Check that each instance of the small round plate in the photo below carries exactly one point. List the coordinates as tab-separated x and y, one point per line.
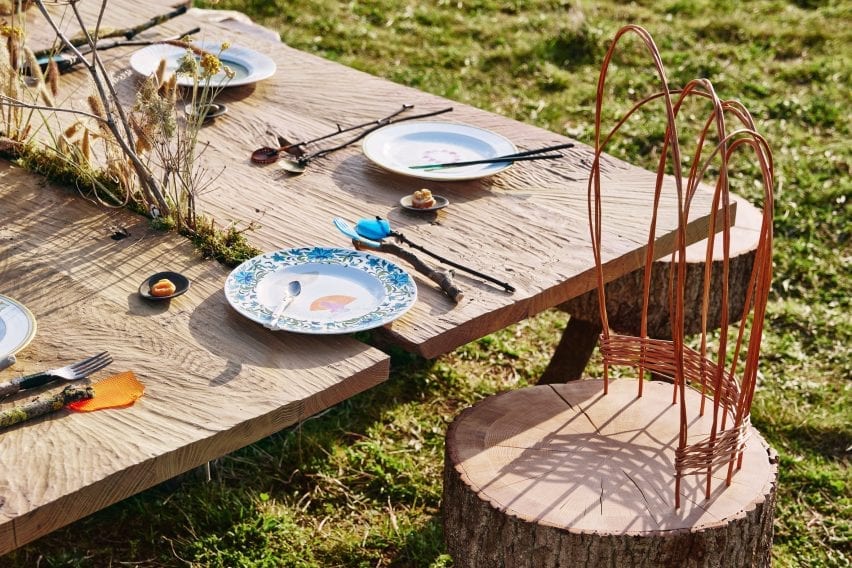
180	281
440	203
17	326
214	110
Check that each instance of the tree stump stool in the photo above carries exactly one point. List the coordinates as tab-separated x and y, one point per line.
561	475
624	298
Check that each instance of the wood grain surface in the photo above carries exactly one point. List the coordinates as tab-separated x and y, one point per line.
527	226
561	475
214	381
120	14
570	457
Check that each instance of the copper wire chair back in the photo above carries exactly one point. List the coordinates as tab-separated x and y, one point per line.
722	365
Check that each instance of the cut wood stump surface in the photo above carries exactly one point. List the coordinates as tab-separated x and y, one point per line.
561	475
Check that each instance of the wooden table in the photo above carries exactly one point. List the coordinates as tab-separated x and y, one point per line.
527	226
215	381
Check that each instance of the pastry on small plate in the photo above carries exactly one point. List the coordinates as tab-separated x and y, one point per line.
423	200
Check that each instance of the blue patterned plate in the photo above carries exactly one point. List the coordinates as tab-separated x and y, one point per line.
342	290
17	326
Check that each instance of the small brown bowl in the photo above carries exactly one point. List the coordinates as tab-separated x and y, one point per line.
180	281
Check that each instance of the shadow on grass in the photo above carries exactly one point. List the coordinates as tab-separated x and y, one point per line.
424	547
814	440
189	520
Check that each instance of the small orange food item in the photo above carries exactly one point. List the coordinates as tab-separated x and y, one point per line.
163	287
422	199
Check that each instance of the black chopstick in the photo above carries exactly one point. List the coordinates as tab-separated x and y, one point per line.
517	157
496	160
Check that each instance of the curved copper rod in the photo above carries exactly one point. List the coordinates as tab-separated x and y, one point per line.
732	399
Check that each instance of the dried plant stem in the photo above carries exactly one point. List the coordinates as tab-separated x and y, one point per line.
106	92
15	103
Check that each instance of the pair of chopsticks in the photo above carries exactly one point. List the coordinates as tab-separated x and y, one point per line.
517	157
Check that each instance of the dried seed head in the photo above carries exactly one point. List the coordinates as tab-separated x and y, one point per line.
161	72
12	46
188	64
143	139
86	146
142	145
12	86
52	76
34	67
71	130
45	95
10	31
62	145
172	89
210	64
97	106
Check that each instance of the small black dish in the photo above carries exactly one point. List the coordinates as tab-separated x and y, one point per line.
440	202
211	111
180	281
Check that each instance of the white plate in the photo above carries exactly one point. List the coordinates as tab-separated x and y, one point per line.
248	65
17	326
398	146
343	290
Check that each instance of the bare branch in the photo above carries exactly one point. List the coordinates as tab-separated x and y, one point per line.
9	101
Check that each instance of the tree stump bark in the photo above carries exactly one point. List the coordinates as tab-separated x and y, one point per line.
561	475
624	298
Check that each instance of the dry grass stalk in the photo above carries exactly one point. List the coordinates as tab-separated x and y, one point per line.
134	143
52	76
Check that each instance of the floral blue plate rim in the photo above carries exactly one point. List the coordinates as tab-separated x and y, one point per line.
382	290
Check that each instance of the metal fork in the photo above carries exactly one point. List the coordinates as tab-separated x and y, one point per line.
75	371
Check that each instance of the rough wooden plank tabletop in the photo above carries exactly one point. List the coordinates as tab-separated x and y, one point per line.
528	225
214	381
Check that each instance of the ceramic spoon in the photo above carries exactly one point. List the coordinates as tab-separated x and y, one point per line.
294	288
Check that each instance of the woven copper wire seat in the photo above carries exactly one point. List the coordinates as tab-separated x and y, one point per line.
624	306
631	472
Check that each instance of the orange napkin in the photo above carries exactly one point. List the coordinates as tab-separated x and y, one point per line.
116	391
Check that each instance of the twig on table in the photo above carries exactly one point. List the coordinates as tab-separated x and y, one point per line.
127	33
379	124
45	405
401	238
443	278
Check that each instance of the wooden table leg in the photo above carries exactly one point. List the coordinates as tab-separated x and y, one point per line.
573	352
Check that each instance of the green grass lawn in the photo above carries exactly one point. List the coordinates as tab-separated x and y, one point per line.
361	484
